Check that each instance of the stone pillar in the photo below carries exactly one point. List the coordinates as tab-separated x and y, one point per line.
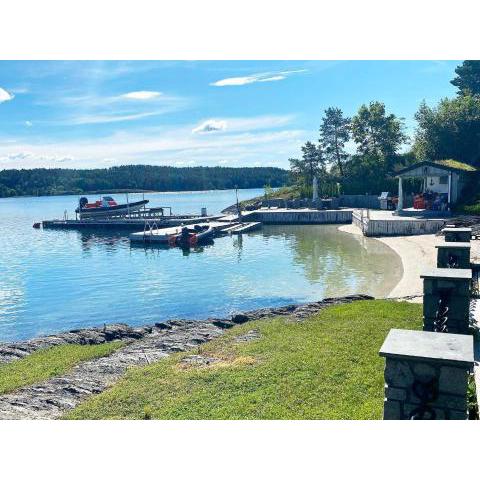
457	234
446	300
400	195
315	189
449	190
453	255
426	375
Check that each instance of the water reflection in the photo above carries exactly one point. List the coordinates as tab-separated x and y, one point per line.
339	259
110	242
156	249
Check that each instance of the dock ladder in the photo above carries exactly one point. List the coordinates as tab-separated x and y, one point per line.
151	227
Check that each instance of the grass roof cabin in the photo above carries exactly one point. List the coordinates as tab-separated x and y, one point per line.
443	177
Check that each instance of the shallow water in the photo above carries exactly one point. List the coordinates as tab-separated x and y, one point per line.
53	280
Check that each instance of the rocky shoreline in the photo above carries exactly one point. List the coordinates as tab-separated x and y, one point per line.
52	398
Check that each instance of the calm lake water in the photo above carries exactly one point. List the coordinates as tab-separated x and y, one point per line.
53	280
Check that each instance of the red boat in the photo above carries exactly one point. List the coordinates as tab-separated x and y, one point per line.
106	206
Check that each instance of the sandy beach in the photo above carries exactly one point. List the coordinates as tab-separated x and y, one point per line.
418	253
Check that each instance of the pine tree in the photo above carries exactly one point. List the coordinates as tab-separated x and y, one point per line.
334	133
468	78
310	165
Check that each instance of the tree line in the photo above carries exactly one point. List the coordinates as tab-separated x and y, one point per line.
449	130
43	181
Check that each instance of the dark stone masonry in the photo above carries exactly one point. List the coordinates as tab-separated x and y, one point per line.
426	375
52	398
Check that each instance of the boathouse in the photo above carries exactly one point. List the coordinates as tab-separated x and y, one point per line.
442	184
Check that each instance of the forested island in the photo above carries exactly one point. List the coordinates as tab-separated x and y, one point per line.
57	181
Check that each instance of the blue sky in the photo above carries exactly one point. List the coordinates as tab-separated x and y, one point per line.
229	113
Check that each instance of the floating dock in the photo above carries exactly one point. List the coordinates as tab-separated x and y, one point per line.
160	235
130	224
242	227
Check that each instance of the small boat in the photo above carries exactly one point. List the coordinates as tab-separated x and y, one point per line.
106	206
190	237
184	236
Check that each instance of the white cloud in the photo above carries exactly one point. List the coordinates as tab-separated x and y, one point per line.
32	159
94	118
5	96
28	123
141	95
210	126
256	77
275	78
95	109
243	124
162	146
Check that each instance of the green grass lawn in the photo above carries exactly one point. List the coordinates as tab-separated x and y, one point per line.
48	363
326	367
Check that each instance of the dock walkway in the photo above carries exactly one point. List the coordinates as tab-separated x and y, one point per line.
131	224
160	235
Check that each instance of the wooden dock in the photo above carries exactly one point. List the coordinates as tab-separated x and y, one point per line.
238	228
129	224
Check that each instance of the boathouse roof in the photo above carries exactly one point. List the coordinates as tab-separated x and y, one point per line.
447	165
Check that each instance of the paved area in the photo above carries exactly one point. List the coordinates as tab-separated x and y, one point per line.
389	215
418	254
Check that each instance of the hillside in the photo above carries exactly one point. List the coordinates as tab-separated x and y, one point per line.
42	181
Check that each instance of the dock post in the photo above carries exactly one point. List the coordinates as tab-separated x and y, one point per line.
457	234
453	255
426	375
446	300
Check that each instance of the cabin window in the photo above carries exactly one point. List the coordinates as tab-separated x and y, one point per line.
443	180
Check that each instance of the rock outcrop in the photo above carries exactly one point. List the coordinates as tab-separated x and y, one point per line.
52	398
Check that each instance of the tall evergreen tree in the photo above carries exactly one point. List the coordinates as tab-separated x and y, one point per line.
334	133
468	78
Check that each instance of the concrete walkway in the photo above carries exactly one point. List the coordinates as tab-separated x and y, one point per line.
418	253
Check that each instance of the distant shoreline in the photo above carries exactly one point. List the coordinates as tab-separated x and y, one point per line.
135	178
120	191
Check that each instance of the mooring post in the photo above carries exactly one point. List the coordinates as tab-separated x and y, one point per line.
426	375
457	234
453	255
446	300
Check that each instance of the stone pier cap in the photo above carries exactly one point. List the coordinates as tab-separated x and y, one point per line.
444	348
456	230
459	245
457	234
448	273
